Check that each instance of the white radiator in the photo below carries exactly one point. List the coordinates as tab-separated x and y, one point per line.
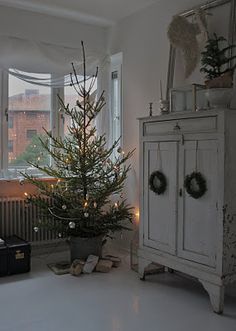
17	217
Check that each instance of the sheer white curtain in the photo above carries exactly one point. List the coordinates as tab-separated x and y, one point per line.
27	56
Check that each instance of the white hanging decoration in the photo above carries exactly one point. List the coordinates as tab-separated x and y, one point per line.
72	225
183	35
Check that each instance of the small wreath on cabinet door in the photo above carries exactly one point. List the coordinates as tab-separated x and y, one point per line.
195	185
157	182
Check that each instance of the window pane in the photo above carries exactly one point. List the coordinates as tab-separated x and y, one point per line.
71	97
115	106
29	112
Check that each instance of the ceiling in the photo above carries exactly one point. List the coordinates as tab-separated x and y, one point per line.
98	12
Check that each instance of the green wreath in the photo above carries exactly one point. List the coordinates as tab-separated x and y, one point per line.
157	182
200	182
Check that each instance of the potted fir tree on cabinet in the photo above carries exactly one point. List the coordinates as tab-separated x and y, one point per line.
81	203
218	66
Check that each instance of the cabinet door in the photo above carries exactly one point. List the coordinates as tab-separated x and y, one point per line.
160	211
197	220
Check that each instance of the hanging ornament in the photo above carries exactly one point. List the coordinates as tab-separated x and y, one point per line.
195	185
95	204
86	215
59	235
36	229
72	225
63	207
21	181
157	182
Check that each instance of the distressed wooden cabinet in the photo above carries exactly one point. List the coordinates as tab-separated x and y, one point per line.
194	236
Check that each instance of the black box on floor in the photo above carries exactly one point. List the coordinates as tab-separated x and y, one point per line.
3	260
18	255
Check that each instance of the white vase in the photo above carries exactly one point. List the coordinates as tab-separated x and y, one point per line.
219	97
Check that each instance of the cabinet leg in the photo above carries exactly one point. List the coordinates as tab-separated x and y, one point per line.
142	264
216	294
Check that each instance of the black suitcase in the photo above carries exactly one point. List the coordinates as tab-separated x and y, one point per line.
3	260
18	255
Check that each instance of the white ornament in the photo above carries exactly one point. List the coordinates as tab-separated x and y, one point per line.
95	204
72	225
86	215
21	181
36	229
59	235
63	207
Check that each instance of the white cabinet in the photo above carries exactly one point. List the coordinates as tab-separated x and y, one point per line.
194	236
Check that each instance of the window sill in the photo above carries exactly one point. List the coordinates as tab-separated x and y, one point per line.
12	180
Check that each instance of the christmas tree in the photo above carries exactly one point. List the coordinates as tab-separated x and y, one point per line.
215	60
86	199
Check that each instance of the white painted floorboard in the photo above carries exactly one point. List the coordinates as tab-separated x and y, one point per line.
118	301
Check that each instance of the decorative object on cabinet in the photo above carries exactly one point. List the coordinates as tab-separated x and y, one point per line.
217	62
164	104
193	236
150	108
157	182
219	11
188	98
219	97
188	37
195	185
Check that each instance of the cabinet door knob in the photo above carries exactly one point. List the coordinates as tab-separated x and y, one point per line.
176	127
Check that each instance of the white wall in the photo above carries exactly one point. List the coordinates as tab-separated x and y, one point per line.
58	31
143	40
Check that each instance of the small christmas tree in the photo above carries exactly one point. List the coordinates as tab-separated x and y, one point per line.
215	60
81	202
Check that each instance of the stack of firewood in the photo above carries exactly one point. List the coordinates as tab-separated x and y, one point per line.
94	263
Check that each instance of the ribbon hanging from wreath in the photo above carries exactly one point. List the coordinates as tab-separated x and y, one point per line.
157	179
195	183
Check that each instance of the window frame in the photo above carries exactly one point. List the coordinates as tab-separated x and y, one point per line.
7	172
116	62
56	126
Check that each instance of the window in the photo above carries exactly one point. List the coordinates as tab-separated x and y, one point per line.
30	107
31	133
10	122
116	99
27	110
71	97
10	146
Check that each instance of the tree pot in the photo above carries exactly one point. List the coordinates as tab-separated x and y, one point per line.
81	248
219	97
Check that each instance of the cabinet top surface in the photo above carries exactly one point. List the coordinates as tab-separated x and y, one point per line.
175	115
